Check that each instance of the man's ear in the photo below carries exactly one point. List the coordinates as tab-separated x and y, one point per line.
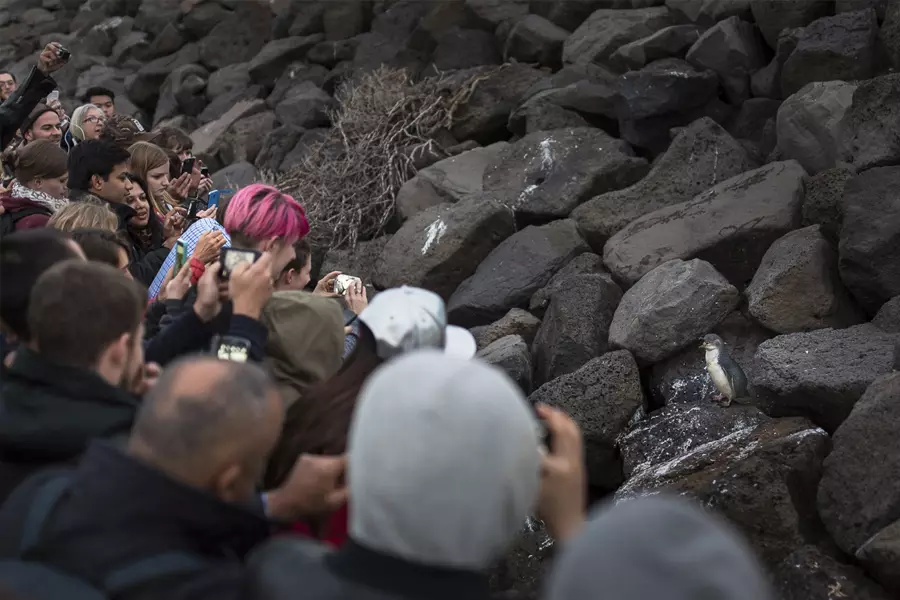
227	485
289	276
116	354
97	182
27	135
271	245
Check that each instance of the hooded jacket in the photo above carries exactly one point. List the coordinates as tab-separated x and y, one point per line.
19	105
656	547
118	511
50	412
41	213
444	469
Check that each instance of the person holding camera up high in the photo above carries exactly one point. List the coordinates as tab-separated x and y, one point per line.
36	86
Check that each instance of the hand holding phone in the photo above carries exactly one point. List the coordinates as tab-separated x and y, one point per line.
232	257
180	256
187	165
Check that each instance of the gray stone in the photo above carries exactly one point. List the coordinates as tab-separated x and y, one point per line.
824	202
275	148
510	354
238	37
668	42
797	286
466	48
235	176
606	30
821	374
359	262
654	134
223	103
868	131
844	46
733	50
888	318
516	322
859	495
183	92
731	226
700	156
293	75
665	86
808	572
244	140
208	136
514	271
584	264
304	106
575	328
266	67
774	16
766	83
329	54
547	174
443	245
534	39
709	12
671	307
880	556
601	397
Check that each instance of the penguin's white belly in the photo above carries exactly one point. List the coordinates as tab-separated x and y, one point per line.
719	378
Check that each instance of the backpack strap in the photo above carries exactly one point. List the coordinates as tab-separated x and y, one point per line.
29	211
47	498
148	570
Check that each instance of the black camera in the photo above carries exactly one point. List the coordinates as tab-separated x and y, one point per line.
63	53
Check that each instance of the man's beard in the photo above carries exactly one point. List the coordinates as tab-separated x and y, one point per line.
130	380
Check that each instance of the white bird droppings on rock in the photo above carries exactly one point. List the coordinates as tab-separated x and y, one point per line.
433	234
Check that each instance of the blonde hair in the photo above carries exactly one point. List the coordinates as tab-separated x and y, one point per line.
87	214
144	158
76	125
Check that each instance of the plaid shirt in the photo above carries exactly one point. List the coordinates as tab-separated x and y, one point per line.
190	239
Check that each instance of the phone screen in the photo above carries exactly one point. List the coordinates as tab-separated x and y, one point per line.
187	166
232	257
180	253
213	198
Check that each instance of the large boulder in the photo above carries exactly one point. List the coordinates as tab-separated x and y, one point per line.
665	86
244	140
534	39
668	42
754	127
448	180
238	37
671	307
733	50
584	264
360	261
304	106
510	353
859	494
844	46
762	478
809	122
880	556
654	134
869	138
709	12
606	30
821	374
890	34
824	202
183	92
276	146
484	114
602	397
888	318
701	155
870	237
266	67
575	328
678	429
584	100
798	288
143	87
774	16
808	572
443	245
207	138
683	378
517	268
467	48
236	176
766	83
731	226
547	174
227	79
515	322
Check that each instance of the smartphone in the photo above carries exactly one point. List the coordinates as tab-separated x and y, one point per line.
187	165
232	257
204	171
193	208
180	256
212	199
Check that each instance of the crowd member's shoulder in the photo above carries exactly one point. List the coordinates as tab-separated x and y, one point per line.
281	567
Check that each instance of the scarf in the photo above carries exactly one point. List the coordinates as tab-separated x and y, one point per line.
20	191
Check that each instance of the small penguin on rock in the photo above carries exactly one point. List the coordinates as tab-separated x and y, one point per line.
726	374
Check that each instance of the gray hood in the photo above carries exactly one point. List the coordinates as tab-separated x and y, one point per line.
657	548
444	461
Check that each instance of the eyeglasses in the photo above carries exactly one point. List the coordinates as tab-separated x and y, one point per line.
94	120
7	83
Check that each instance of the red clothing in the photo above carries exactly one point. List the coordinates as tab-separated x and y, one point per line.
35	221
335	532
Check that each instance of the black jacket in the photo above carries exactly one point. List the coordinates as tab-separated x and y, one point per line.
284	569
118	511
147	260
50	412
17	107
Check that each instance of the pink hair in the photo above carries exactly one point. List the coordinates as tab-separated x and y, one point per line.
260	212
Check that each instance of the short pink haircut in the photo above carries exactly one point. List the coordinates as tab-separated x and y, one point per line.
260	212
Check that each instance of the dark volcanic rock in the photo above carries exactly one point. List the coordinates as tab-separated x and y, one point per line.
443	245
754	124
880	556
515	322
766	82
654	134
360	262
869	137
547	174
709	12
677	430
810	573
575	328
227	79
276	146
762	479
824	202
671	307
668	42
840	47
510	353
821	374
584	264
733	50
304	106
774	16
517	268
797	286
602	397
731	226
701	155
238	37
534	39
870	237
809	123
888	318
464	49
266	67
606	30
859	495
665	86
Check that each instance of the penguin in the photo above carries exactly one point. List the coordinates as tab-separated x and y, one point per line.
726	374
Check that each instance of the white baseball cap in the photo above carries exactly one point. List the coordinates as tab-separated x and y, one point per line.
408	318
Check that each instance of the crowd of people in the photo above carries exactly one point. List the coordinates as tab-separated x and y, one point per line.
177	425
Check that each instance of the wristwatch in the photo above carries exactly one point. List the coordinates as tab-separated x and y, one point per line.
232	348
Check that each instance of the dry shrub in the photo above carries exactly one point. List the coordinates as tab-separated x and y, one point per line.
347	181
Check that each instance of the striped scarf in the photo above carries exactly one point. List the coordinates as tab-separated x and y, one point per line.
20	191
